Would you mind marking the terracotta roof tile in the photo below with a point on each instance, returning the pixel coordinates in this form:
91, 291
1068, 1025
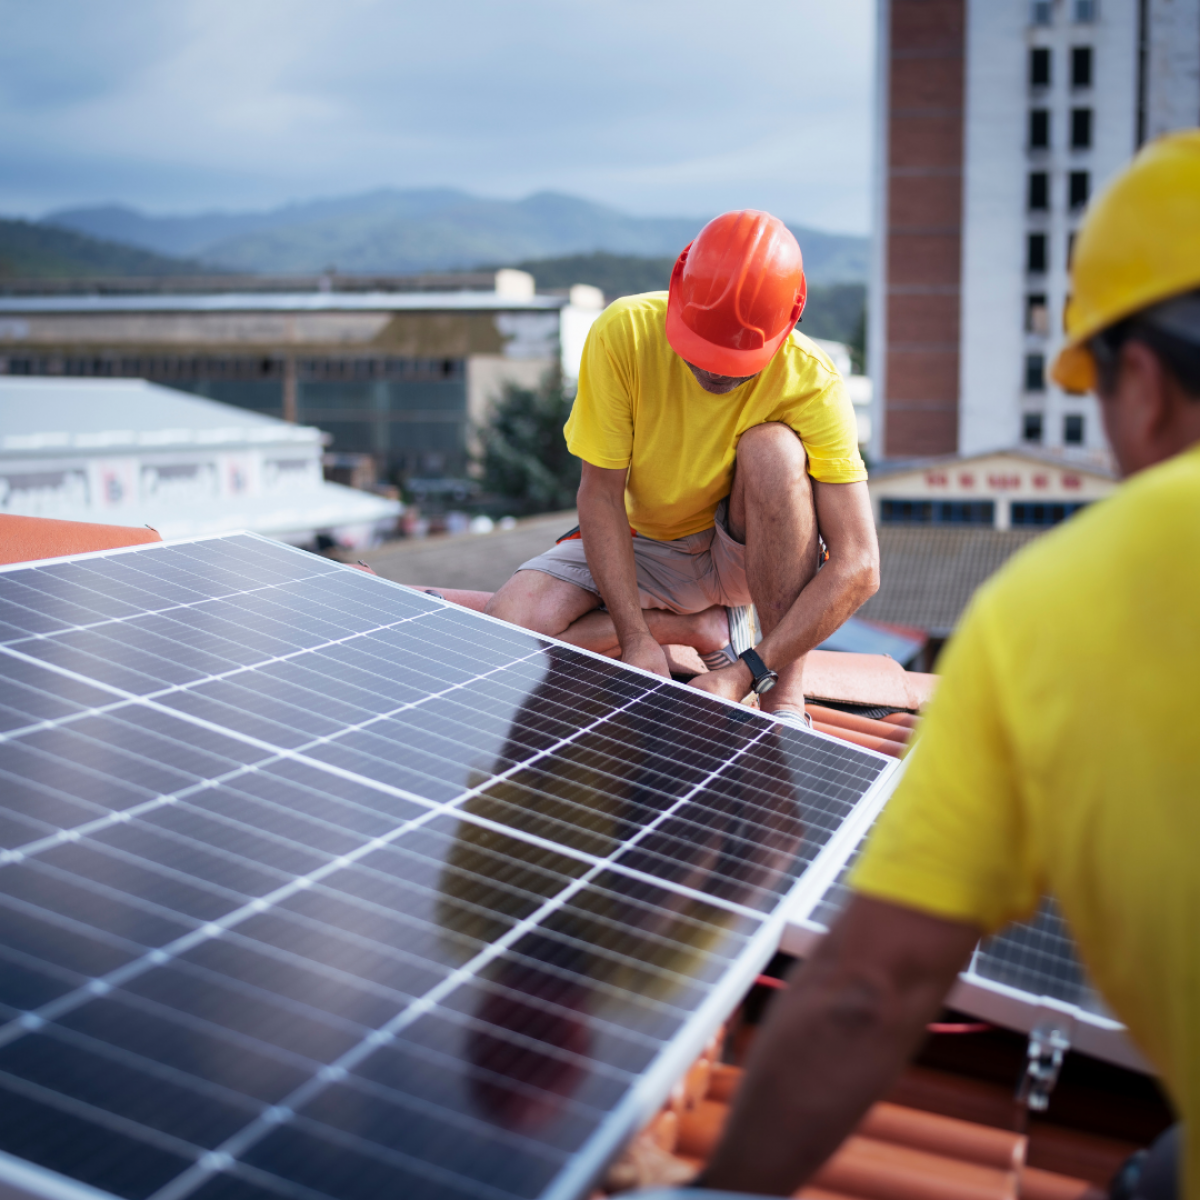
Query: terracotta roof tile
898, 1152
23, 539
929, 574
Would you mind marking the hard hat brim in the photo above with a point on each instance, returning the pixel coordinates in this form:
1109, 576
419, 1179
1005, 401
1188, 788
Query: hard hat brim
719, 360
1074, 370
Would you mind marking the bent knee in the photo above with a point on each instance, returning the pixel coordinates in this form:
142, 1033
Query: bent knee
539, 603
767, 450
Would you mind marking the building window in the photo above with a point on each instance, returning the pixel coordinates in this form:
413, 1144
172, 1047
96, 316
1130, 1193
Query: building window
1041, 12
1037, 314
1081, 129
1083, 12
1081, 67
1035, 372
1031, 427
1039, 129
937, 512
1079, 186
1073, 429
1039, 191
1025, 514
1070, 248
1039, 67
1035, 253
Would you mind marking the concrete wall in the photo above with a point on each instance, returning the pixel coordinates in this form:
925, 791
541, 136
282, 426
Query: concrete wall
487, 375
996, 222
1172, 65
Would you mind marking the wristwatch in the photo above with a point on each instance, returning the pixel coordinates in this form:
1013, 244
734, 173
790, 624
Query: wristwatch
764, 679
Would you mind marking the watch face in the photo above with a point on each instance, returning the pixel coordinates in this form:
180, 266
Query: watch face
766, 683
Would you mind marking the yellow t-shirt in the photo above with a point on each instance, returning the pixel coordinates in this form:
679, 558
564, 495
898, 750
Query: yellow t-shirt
639, 406
1061, 755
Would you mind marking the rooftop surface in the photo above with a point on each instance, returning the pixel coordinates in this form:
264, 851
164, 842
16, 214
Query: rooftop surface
92, 415
928, 574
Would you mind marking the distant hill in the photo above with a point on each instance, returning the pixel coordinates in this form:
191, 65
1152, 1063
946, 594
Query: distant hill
36, 251
434, 229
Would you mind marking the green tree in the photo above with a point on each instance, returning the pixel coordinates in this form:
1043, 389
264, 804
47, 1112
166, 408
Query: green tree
524, 454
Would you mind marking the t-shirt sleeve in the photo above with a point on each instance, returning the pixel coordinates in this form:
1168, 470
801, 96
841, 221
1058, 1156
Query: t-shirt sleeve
953, 840
828, 428
600, 427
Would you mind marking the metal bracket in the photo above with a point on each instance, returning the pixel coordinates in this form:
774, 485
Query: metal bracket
1049, 1041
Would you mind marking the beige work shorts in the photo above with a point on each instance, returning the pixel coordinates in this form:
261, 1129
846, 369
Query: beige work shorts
687, 575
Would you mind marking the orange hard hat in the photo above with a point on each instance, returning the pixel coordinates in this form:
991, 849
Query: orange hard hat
737, 291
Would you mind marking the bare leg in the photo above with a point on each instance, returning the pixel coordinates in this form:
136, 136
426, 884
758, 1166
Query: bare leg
705, 631
537, 601
771, 512
540, 602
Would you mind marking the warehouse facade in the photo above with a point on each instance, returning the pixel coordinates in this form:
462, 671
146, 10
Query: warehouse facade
401, 376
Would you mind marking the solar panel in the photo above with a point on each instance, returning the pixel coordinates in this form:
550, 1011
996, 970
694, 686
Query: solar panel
1017, 978
314, 886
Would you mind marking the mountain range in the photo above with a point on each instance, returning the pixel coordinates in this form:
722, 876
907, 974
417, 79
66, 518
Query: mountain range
30, 250
391, 231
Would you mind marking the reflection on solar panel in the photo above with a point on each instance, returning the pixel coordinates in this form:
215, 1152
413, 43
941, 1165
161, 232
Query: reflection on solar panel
312, 886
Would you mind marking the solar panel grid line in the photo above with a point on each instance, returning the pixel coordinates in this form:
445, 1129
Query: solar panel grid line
24, 1178
409, 795
211, 929
823, 872
102, 1117
187, 1182
349, 729
14, 586
630, 872
649, 1092
663, 814
214, 928
234, 671
151, 1066
111, 818
1002, 981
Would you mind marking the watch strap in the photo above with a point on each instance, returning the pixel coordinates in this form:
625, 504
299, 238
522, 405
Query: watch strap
759, 670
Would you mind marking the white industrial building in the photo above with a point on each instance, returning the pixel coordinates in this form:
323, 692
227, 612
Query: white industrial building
1059, 94
127, 452
997, 122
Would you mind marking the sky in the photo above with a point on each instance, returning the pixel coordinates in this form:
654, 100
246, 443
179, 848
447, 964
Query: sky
656, 107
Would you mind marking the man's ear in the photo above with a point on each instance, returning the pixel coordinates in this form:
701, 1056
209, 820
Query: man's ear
1143, 385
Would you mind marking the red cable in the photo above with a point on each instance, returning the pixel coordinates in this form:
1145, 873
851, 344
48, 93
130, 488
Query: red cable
769, 981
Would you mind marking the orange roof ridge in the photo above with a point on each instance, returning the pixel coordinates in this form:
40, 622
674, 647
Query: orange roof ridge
25, 539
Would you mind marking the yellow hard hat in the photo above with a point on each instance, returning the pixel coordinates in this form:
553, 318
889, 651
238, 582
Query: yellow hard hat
1139, 244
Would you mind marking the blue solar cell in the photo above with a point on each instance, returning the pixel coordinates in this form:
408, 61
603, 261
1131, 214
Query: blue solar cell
316, 885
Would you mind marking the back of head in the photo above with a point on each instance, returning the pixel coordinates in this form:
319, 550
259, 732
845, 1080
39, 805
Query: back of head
737, 291
1137, 255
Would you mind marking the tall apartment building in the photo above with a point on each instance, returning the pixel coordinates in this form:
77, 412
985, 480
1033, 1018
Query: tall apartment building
997, 120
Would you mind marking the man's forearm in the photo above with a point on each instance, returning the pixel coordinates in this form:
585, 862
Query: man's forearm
832, 596
604, 526
834, 1043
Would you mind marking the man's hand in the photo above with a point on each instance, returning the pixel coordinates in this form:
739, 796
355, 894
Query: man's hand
835, 1041
641, 650
730, 683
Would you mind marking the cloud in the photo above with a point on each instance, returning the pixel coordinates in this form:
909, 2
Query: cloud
655, 106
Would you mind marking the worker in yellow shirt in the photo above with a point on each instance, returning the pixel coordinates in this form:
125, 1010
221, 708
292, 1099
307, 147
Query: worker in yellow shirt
1060, 754
726, 445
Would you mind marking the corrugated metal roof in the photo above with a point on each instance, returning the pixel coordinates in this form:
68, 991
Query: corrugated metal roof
226, 302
